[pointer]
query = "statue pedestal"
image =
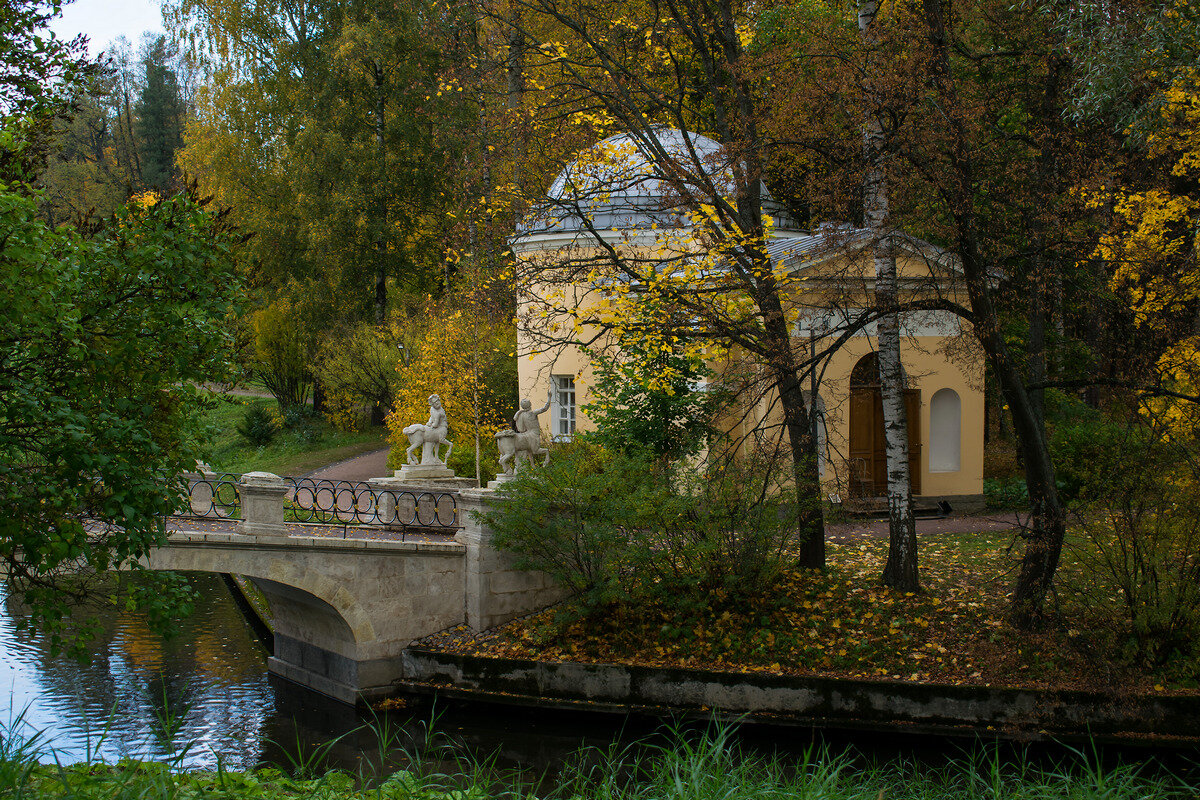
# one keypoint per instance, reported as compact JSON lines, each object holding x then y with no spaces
{"x":501,"y":479}
{"x":418,"y":472}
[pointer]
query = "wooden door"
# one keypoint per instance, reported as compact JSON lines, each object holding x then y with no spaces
{"x":865,"y":424}
{"x":868,"y":450}
{"x":912,"y":410}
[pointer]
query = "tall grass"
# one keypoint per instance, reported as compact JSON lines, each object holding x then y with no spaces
{"x":683,"y":765}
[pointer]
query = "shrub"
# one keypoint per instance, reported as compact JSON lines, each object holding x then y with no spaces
{"x":1079,"y":446}
{"x":646,"y":395}
{"x":1006,"y":493}
{"x":358,"y":371}
{"x":615,"y":525}
{"x":258,"y":426}
{"x":571,"y":519}
{"x":1135,"y":553}
{"x":462,"y":460}
{"x":283,"y":351}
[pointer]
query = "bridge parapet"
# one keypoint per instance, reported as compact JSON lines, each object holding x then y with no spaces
{"x":263,"y":495}
{"x":496,"y":591}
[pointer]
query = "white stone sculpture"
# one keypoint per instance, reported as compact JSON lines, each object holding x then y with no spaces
{"x":525,"y":442}
{"x":429,"y":437}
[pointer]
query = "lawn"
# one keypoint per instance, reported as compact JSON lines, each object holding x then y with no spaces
{"x":295,"y":451}
{"x":842,"y":623}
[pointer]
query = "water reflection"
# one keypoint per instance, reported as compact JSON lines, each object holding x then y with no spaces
{"x":205,"y":690}
{"x":205,"y":697}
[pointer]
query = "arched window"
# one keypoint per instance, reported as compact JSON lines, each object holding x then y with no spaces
{"x":866,"y":372}
{"x":945,"y":431}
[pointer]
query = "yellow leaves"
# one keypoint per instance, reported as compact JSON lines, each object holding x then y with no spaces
{"x":449,"y":353}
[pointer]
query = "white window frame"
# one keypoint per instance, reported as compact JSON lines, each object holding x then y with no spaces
{"x":563,"y":415}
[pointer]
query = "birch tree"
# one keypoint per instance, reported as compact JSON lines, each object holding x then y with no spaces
{"x":900,"y":572}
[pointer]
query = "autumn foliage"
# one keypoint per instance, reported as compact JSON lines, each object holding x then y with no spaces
{"x":465,"y":358}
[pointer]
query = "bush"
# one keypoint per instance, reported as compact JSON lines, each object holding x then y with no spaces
{"x":571,"y":519}
{"x":462,"y":460}
{"x":615,"y":526}
{"x":1079,"y":446}
{"x":358,"y":371}
{"x":283,"y":351}
{"x":1134,"y":564}
{"x":258,"y":426}
{"x":646,"y":395}
{"x":1003,"y":494}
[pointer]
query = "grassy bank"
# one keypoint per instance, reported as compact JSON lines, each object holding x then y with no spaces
{"x":687,"y":767}
{"x":310,"y":444}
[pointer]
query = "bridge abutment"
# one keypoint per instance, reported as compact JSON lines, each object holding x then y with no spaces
{"x":496,"y":591}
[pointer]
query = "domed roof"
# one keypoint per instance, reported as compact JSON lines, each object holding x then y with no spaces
{"x":619,"y":183}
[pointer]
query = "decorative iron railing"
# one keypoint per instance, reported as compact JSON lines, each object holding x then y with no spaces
{"x":359,"y":503}
{"x":214,"y":495}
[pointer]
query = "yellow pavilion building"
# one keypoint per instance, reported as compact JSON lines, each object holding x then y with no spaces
{"x":613,"y":196}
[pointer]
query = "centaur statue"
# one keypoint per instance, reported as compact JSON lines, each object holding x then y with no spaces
{"x":525,"y":442}
{"x":430,"y":436}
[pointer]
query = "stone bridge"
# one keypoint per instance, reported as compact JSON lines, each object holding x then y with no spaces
{"x":343,"y":610}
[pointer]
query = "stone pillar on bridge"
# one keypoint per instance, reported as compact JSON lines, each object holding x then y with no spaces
{"x":262,"y":495}
{"x":496,"y":591}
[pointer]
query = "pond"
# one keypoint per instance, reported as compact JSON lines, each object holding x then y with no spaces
{"x":205,"y":697}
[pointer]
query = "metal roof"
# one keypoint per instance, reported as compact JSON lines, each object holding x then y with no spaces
{"x":619,"y":183}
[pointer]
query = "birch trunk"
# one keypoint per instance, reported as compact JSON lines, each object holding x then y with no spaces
{"x":900,"y":572}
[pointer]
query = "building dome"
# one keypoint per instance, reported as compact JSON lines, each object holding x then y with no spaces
{"x":618,"y":183}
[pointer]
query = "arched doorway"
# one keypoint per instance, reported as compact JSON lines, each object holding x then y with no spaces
{"x":868,"y":453}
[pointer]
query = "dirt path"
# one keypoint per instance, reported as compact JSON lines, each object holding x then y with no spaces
{"x":878,"y":528}
{"x":359,"y":468}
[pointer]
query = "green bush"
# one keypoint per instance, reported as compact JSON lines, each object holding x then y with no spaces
{"x":1133,"y":563}
{"x":1080,"y":445}
{"x":572,"y":518}
{"x":614,"y":526}
{"x":462,"y":460}
{"x":1002,"y":494}
{"x":258,"y":426}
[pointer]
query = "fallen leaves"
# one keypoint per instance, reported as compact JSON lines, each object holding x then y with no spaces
{"x":838,"y":623}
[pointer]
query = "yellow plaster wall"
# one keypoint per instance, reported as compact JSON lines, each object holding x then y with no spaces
{"x":929,"y":368}
{"x":931,"y":363}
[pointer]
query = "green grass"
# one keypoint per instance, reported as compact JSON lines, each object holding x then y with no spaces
{"x":293,"y":452}
{"x":687,"y":766}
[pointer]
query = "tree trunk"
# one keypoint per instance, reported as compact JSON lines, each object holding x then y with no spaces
{"x":1035,"y":343}
{"x":797,"y":423}
{"x":1047,"y":524}
{"x":381,"y":207}
{"x":900,"y":572}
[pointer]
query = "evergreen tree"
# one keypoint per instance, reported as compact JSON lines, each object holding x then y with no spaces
{"x":159,"y":111}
